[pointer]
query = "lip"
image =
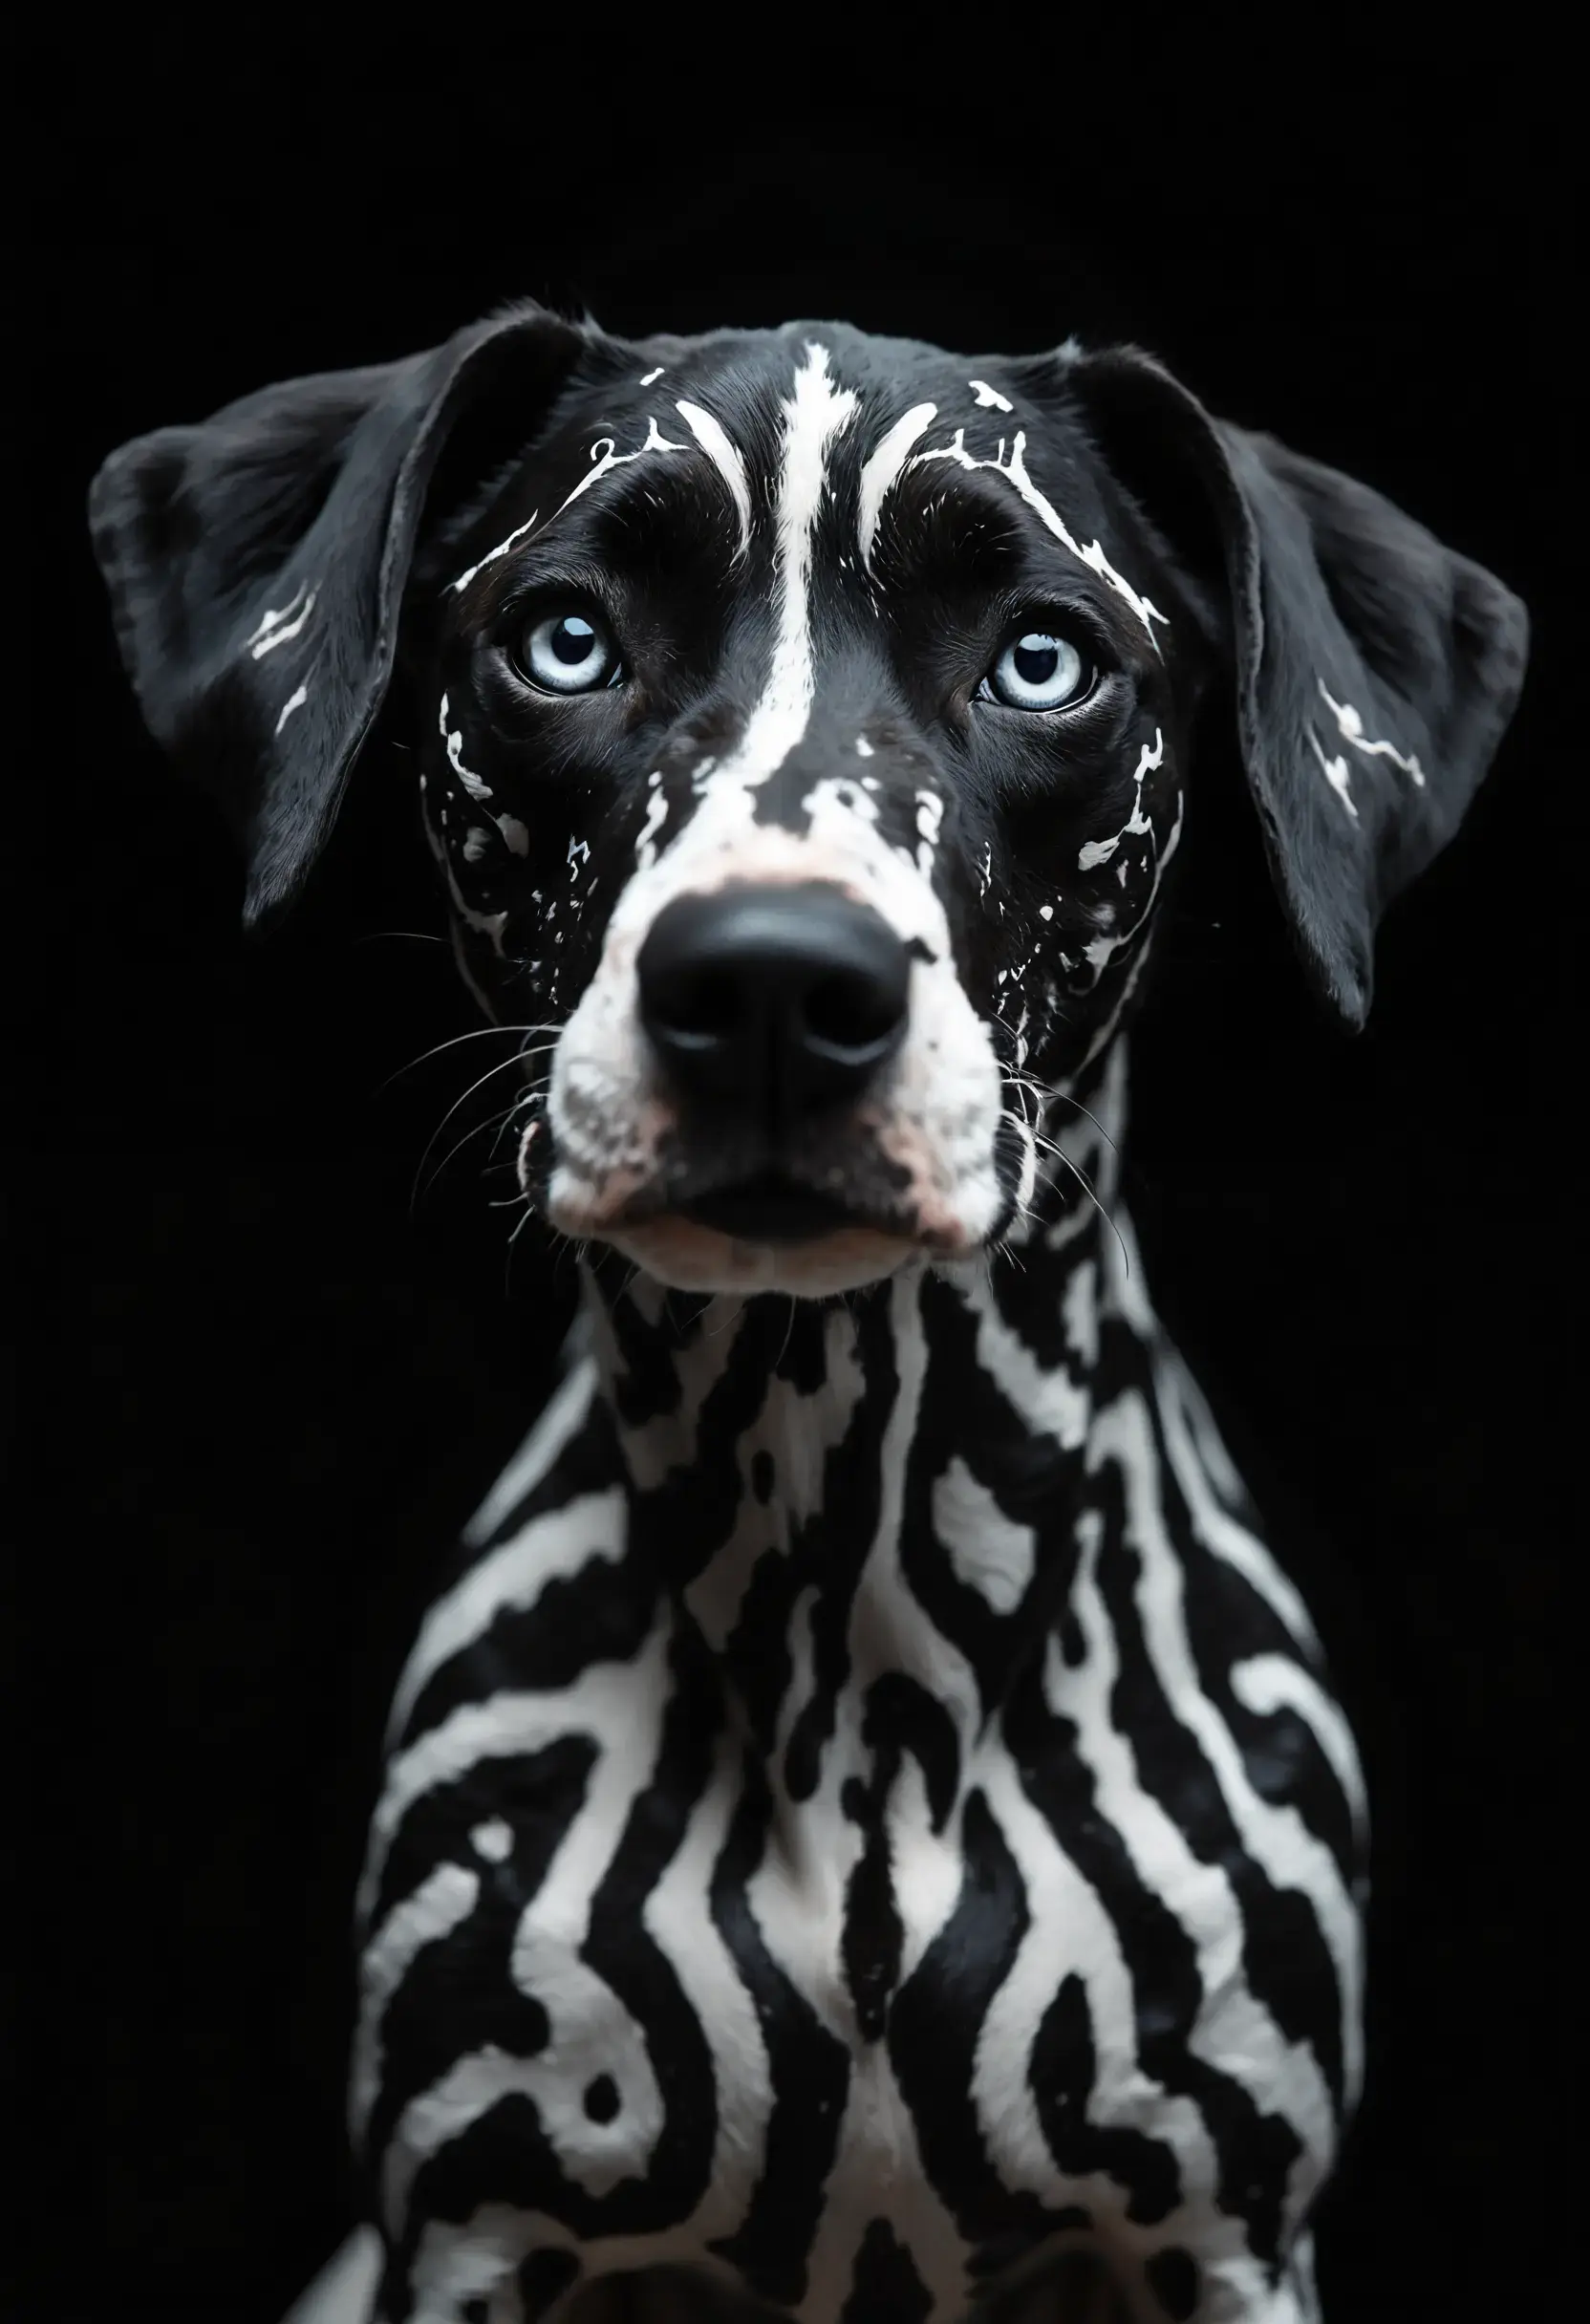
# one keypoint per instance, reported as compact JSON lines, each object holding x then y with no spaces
{"x":769,"y":1208}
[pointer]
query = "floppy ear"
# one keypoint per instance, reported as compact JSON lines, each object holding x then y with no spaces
{"x":256,"y":565}
{"x":1375,"y":670}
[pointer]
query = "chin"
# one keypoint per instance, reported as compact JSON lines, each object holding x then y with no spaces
{"x":688,"y":1257}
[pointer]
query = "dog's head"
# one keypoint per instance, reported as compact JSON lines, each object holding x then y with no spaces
{"x":803,"y":725}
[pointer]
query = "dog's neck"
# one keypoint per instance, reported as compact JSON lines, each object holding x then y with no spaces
{"x":880,"y":1492}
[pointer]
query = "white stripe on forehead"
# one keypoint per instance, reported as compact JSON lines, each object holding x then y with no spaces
{"x":813,"y":416}
{"x":1016,"y":469}
{"x":883,"y":466}
{"x":725,"y":458}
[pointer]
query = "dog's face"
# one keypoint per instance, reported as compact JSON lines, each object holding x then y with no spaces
{"x":805,"y":762}
{"x":804,"y":724}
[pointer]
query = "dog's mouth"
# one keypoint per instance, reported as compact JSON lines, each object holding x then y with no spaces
{"x":755,"y":1224}
{"x":770,"y":1207}
{"x":768,"y":1231}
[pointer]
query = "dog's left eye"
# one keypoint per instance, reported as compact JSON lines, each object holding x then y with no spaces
{"x":1039,"y":671}
{"x":568,"y":651}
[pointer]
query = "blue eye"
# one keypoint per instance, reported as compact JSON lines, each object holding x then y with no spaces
{"x":569,"y":652}
{"x":1039,"y":671}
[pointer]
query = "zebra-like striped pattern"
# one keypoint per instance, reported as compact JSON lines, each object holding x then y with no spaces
{"x":866,"y":1822}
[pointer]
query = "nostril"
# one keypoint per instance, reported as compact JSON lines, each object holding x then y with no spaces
{"x":850,"y":1013}
{"x":696,"y":1005}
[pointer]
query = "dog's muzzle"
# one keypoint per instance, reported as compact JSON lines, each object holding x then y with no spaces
{"x":771,"y":1009}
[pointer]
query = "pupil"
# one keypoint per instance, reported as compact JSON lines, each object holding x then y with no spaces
{"x":1036,"y":659}
{"x":573,"y":639}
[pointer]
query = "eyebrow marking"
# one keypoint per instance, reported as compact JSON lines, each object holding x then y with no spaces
{"x":605,"y":456}
{"x":990,"y":397}
{"x":648,"y":377}
{"x":492,"y":554}
{"x":1093,"y":556}
{"x":294,"y":702}
{"x":725,"y":458}
{"x":882,"y":468}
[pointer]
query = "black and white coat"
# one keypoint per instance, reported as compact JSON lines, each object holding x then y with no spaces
{"x":866,"y":1831}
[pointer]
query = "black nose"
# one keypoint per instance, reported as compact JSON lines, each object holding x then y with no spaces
{"x":780,"y":1000}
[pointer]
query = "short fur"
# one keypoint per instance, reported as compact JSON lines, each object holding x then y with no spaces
{"x":867,"y":1832}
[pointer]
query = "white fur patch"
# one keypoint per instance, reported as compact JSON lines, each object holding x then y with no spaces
{"x":1137,"y":824}
{"x":882,"y":467}
{"x":277,"y":626}
{"x":1349,"y":723}
{"x":725,"y":457}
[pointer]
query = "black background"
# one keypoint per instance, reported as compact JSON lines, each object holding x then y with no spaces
{"x":276,"y":1393}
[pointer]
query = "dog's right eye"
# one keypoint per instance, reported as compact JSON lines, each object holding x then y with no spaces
{"x":568,"y":651}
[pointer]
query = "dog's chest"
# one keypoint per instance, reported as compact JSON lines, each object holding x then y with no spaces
{"x":818,"y":1978}
{"x":767,"y":2030}
{"x":811,"y":2033}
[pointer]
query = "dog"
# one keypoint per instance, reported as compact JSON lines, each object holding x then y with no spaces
{"x":866,"y":1830}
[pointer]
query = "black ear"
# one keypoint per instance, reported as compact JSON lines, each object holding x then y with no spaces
{"x":1375,"y":670}
{"x":256,"y":565}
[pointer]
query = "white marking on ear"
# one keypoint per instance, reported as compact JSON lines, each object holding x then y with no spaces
{"x":648,"y":377}
{"x":725,"y":458}
{"x":275,"y":625}
{"x":272,"y":615}
{"x":1100,"y":851}
{"x":492,"y":554}
{"x":1350,"y":725}
{"x":882,"y":467}
{"x":1336,"y":774}
{"x":1093,"y":556}
{"x":990,"y":397}
{"x":864,"y":748}
{"x":294,"y":702}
